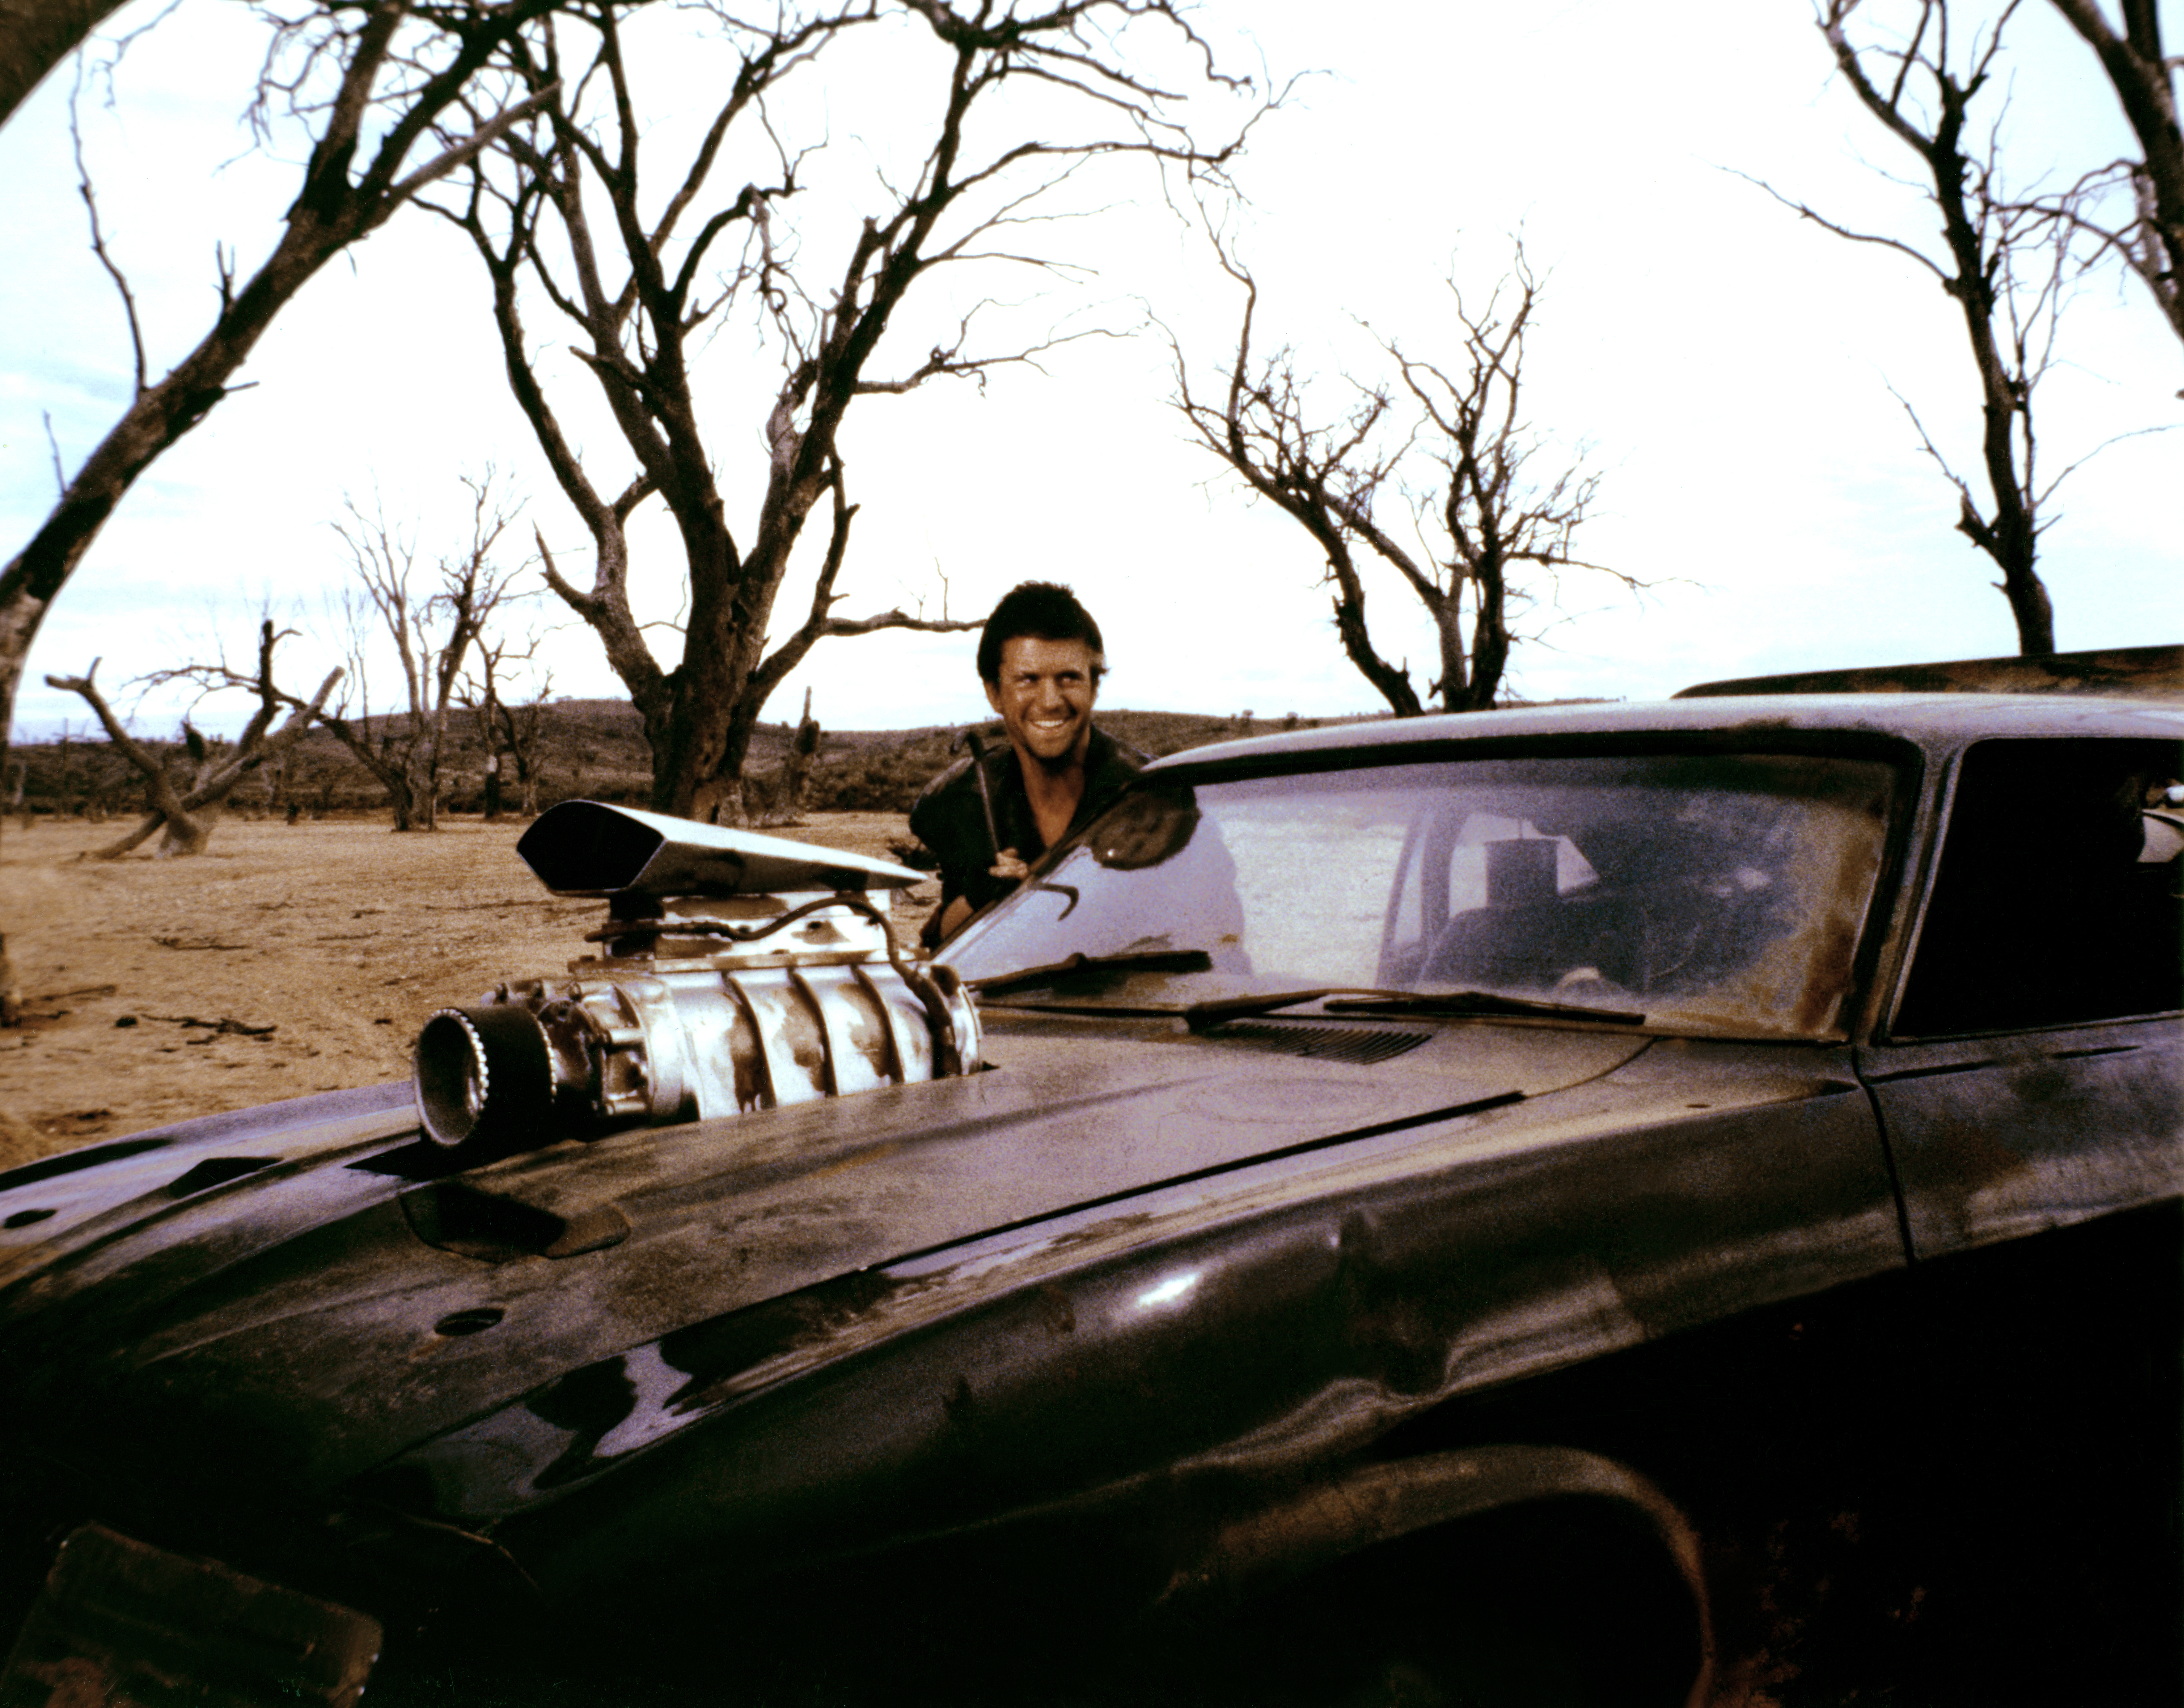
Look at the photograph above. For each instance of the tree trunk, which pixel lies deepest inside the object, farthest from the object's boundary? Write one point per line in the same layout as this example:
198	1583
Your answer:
2010	537
11	992
2140	73
796	770
37	35
697	773
187	833
1393	684
1489	634
401	798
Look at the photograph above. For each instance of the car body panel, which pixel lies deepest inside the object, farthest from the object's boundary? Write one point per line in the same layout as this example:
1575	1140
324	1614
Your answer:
1999	1137
1347	1287
1160	1267
707	1219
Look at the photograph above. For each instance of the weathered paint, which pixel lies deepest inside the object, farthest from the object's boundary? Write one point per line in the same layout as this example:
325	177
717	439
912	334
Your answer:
1131	1264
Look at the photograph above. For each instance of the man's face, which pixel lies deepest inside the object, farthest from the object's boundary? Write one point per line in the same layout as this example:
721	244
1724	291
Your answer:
1044	696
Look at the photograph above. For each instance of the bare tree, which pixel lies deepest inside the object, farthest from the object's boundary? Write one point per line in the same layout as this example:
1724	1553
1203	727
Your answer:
187	816
778	799
558	211
2151	240
796	768
504	730
1447	446
432	630
373	109
2006	265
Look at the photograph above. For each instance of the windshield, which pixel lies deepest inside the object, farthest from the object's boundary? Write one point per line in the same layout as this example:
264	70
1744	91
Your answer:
1712	892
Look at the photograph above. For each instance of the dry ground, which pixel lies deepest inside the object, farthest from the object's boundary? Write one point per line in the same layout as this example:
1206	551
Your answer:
287	959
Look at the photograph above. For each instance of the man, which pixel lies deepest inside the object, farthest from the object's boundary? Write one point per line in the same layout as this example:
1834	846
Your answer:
1040	657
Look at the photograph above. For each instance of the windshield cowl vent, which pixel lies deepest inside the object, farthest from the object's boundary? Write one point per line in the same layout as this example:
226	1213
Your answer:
1362	1044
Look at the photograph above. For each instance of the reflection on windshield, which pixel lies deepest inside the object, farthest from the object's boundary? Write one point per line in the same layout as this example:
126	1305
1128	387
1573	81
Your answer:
1707	890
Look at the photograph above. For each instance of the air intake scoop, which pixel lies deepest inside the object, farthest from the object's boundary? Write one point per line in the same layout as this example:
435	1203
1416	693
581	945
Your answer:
738	973
587	848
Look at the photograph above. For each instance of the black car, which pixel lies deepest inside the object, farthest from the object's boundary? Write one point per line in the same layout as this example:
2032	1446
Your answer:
1626	1203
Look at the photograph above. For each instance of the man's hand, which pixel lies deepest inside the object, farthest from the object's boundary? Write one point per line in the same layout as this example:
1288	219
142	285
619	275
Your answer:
1008	865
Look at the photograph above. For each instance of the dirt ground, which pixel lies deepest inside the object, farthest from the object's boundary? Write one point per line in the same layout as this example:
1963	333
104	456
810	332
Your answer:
287	959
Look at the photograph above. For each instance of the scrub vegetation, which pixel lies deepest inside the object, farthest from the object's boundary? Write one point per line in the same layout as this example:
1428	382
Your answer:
583	750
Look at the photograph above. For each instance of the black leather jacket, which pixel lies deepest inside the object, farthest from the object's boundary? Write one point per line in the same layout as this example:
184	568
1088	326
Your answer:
950	819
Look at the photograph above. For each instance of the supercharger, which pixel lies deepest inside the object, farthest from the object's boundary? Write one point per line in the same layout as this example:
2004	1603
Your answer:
735	973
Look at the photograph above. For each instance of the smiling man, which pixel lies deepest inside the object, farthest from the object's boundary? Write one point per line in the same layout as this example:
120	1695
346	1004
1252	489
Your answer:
1041	657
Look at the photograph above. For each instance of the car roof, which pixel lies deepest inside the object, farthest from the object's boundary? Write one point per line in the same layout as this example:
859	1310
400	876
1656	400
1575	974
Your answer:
1931	720
2132	671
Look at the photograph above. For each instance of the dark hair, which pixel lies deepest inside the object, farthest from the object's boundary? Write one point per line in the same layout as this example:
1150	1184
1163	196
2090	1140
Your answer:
1041	611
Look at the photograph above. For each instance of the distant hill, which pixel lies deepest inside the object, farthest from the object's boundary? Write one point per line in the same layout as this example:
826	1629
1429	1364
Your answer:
588	750
592	749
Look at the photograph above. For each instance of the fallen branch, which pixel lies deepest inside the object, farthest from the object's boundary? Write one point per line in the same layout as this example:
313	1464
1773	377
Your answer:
239	1028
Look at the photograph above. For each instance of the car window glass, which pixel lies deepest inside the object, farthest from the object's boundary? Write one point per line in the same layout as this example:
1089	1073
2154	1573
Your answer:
2055	899
1467	860
1715	890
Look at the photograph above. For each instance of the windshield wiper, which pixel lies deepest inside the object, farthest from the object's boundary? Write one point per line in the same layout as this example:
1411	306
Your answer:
1459	1003
1353	1000
1131	960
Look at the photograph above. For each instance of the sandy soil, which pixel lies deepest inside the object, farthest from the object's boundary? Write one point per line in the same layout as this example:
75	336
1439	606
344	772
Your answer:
285	959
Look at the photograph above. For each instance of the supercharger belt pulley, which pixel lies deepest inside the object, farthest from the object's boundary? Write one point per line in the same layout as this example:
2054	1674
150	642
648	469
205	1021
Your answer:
735	973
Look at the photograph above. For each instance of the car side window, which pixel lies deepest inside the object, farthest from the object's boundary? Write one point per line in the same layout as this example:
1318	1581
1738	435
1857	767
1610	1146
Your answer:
2056	898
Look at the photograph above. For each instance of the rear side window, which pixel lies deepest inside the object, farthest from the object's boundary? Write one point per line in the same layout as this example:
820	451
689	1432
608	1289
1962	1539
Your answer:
2056	900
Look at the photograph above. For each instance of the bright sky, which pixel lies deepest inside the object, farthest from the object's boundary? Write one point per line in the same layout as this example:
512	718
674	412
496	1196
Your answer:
1729	367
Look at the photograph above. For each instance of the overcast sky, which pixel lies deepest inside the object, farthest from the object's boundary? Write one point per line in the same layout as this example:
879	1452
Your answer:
1727	369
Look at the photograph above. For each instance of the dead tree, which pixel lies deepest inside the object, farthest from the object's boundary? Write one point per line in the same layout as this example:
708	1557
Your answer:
2006	266
432	632
2151	238
796	768
506	731
377	83
646	266
1445	446
778	799
187	816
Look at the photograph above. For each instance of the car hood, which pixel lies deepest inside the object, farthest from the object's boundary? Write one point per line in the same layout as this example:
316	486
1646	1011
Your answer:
303	1292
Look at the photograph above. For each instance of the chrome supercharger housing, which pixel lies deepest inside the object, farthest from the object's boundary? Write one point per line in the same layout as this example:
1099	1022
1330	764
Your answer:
738	972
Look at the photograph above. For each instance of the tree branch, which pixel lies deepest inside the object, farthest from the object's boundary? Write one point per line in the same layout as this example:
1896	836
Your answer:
99	238
330	212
